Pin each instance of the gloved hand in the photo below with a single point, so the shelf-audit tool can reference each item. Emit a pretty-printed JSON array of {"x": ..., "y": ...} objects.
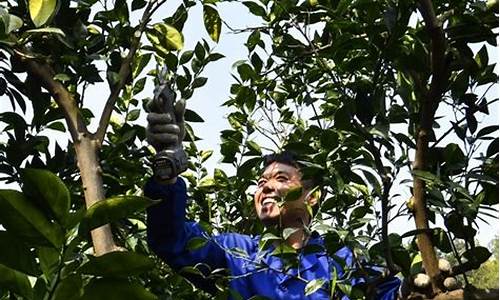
[{"x": 166, "y": 130}]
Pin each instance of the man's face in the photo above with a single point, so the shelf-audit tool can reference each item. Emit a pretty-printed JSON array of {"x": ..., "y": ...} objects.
[{"x": 275, "y": 182}]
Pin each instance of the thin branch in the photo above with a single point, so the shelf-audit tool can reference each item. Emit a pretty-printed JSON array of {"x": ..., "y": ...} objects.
[
  {"x": 124, "y": 72},
  {"x": 459, "y": 122},
  {"x": 387, "y": 184}
]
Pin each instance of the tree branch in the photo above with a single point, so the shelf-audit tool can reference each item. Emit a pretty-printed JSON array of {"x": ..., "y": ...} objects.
[
  {"x": 386, "y": 187},
  {"x": 124, "y": 72},
  {"x": 85, "y": 147},
  {"x": 429, "y": 104},
  {"x": 44, "y": 72}
]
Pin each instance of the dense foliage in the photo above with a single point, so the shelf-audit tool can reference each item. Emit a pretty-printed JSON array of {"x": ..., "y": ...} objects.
[
  {"x": 486, "y": 276},
  {"x": 358, "y": 89}
]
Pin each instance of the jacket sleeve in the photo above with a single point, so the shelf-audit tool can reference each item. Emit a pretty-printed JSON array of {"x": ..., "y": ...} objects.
[{"x": 168, "y": 232}]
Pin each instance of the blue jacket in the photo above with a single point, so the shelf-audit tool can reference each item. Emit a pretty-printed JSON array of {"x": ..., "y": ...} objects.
[{"x": 252, "y": 272}]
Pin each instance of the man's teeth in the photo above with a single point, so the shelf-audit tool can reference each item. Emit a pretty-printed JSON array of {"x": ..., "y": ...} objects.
[{"x": 269, "y": 200}]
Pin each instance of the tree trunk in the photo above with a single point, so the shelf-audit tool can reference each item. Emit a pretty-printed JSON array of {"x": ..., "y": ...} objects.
[
  {"x": 429, "y": 101},
  {"x": 91, "y": 175},
  {"x": 424, "y": 240}
]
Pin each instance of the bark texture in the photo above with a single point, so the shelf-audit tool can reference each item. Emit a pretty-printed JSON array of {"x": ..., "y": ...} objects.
[
  {"x": 91, "y": 175},
  {"x": 428, "y": 105}
]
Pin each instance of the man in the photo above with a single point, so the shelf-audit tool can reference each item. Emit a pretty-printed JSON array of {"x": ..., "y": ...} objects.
[{"x": 252, "y": 271}]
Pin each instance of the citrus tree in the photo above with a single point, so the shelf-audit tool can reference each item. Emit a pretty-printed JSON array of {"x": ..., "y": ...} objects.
[
  {"x": 55, "y": 221},
  {"x": 376, "y": 97},
  {"x": 358, "y": 89}
]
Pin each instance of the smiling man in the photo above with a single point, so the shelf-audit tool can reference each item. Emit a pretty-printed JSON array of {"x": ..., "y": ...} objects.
[
  {"x": 282, "y": 174},
  {"x": 256, "y": 272}
]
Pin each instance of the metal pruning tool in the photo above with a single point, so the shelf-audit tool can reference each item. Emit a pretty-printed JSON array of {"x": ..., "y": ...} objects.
[{"x": 171, "y": 161}]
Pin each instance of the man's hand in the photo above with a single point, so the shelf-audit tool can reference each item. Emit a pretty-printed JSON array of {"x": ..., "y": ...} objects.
[{"x": 166, "y": 130}]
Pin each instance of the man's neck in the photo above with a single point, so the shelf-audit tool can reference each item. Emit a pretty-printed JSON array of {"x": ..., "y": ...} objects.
[{"x": 297, "y": 239}]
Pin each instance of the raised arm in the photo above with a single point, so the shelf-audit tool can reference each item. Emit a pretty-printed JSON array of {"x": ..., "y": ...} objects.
[{"x": 169, "y": 233}]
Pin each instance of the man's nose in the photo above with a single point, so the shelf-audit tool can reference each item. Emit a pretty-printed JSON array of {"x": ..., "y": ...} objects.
[{"x": 268, "y": 187}]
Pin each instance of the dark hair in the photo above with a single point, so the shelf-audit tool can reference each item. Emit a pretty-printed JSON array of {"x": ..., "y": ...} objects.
[{"x": 286, "y": 157}]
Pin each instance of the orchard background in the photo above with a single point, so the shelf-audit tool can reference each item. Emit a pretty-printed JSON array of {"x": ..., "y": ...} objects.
[{"x": 393, "y": 104}]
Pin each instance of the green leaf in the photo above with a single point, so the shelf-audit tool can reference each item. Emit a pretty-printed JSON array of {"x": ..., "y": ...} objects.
[
  {"x": 138, "y": 4},
  {"x": 186, "y": 56},
  {"x": 16, "y": 282},
  {"x": 287, "y": 232},
  {"x": 312, "y": 2},
  {"x": 486, "y": 130},
  {"x": 455, "y": 223},
  {"x": 284, "y": 249},
  {"x": 246, "y": 168},
  {"x": 192, "y": 116},
  {"x": 394, "y": 240},
  {"x": 112, "y": 209},
  {"x": 17, "y": 256},
  {"x": 477, "y": 255},
  {"x": 140, "y": 63},
  {"x": 41, "y": 11},
  {"x": 47, "y": 30},
  {"x": 401, "y": 257},
  {"x": 313, "y": 285},
  {"x": 14, "y": 24},
  {"x": 117, "y": 264},
  {"x": 206, "y": 155},
  {"x": 206, "y": 182},
  {"x": 254, "y": 148},
  {"x": 199, "y": 82},
  {"x": 70, "y": 288},
  {"x": 293, "y": 193},
  {"x": 49, "y": 190},
  {"x": 139, "y": 86},
  {"x": 440, "y": 240},
  {"x": 172, "y": 39},
  {"x": 133, "y": 114},
  {"x": 49, "y": 260},
  {"x": 215, "y": 56},
  {"x": 481, "y": 57},
  {"x": 426, "y": 176},
  {"x": 269, "y": 237},
  {"x": 191, "y": 270},
  {"x": 416, "y": 265},
  {"x": 196, "y": 243},
  {"x": 199, "y": 51},
  {"x": 239, "y": 252},
  {"x": 334, "y": 283},
  {"x": 62, "y": 77},
  {"x": 212, "y": 21},
  {"x": 115, "y": 289},
  {"x": 19, "y": 215},
  {"x": 255, "y": 8},
  {"x": 58, "y": 126}
]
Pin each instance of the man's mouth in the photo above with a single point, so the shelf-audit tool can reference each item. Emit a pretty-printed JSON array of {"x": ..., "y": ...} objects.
[{"x": 269, "y": 201}]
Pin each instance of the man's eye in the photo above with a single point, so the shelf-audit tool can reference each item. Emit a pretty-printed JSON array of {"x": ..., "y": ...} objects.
[
  {"x": 282, "y": 178},
  {"x": 260, "y": 183}
]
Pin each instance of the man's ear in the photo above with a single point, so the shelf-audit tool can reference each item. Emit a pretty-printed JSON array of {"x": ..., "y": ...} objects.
[{"x": 313, "y": 196}]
